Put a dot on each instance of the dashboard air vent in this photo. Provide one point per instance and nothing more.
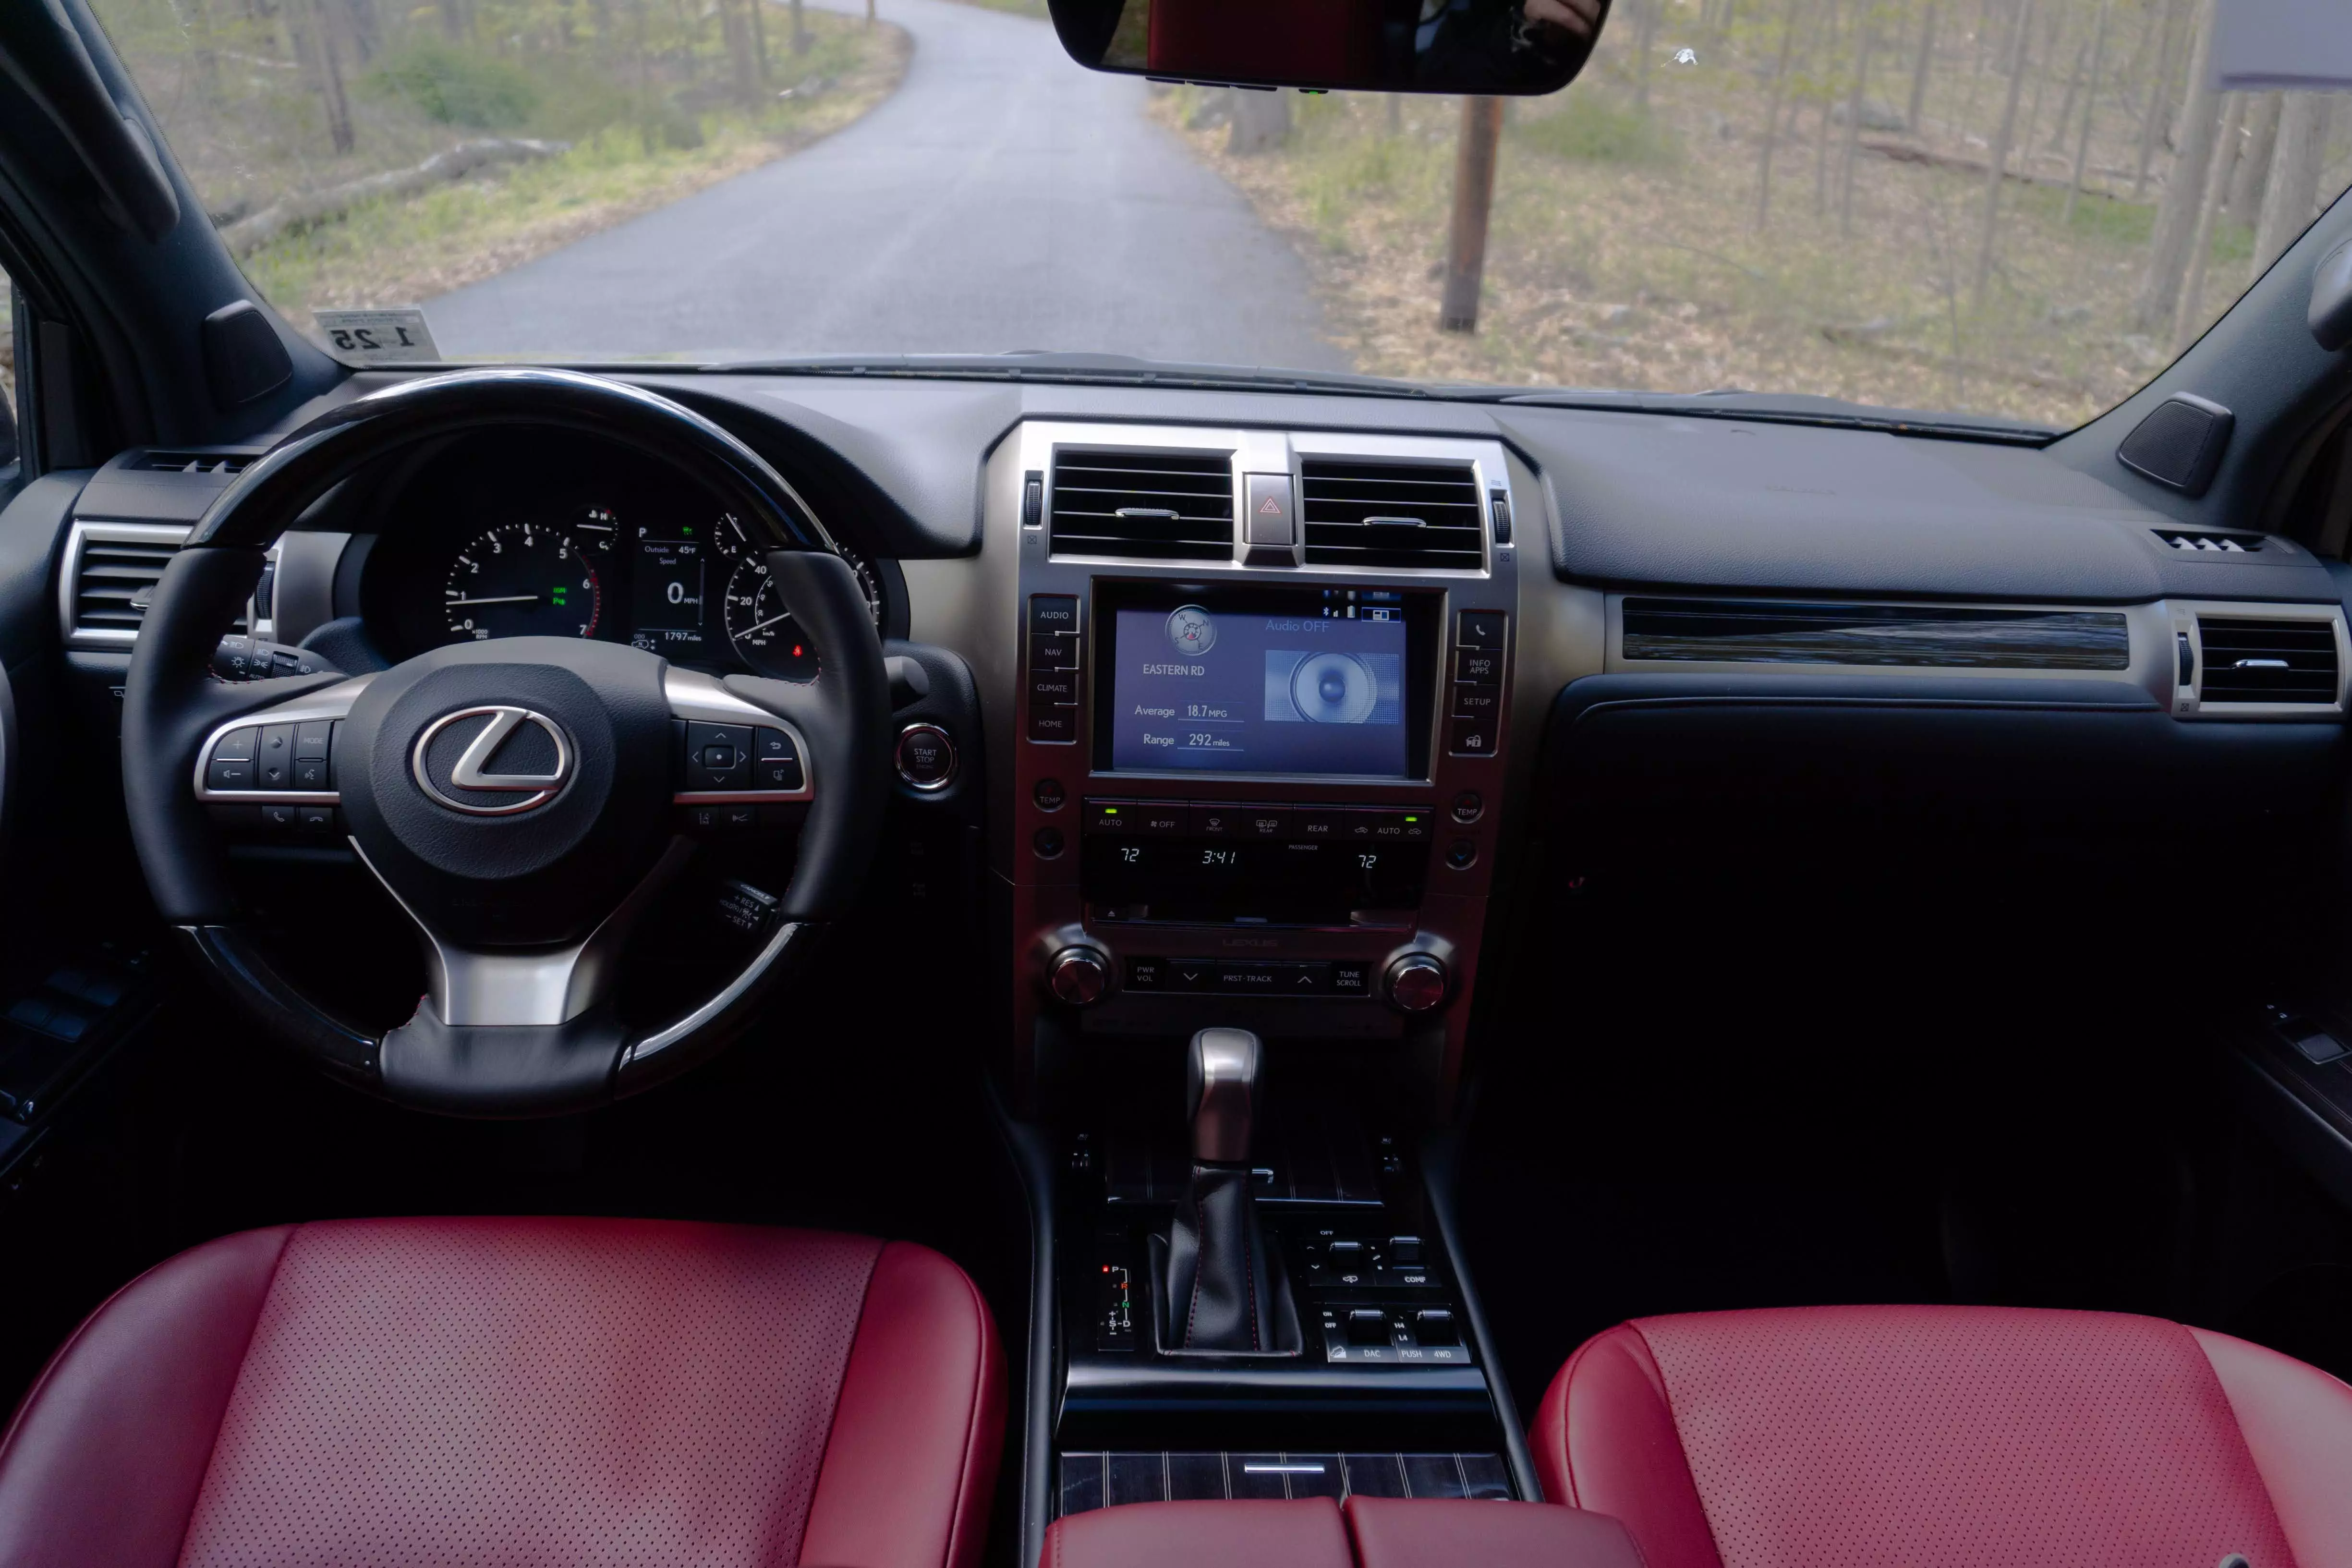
(2267, 661)
(116, 578)
(1422, 516)
(1148, 506)
(160, 461)
(2197, 541)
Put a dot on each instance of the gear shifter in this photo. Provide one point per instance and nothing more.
(1221, 1288)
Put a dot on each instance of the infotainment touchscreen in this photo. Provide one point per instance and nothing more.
(1304, 683)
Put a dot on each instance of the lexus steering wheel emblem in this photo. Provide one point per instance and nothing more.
(471, 771)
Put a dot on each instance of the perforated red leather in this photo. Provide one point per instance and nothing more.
(1840, 1438)
(439, 1392)
(1249, 1534)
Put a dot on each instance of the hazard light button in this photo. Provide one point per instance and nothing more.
(1269, 524)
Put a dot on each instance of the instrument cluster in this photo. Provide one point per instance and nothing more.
(598, 546)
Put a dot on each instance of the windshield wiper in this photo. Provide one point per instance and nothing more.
(1078, 369)
(1786, 408)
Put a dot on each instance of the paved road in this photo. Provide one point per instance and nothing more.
(1002, 198)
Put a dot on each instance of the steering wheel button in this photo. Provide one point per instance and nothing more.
(770, 744)
(313, 740)
(315, 818)
(719, 759)
(276, 815)
(277, 761)
(311, 772)
(780, 772)
(237, 746)
(228, 772)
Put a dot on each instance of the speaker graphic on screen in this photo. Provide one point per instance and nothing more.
(1332, 688)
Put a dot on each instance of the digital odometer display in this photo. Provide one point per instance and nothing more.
(1318, 692)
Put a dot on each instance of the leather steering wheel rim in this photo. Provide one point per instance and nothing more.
(554, 1064)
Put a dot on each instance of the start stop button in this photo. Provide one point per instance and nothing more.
(925, 758)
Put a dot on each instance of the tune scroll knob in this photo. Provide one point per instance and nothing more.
(1079, 975)
(1416, 983)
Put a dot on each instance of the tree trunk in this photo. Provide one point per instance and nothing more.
(2073, 90)
(2176, 215)
(1821, 130)
(1261, 121)
(1473, 200)
(2189, 314)
(1919, 71)
(1772, 115)
(735, 30)
(1998, 164)
(2292, 196)
(1863, 40)
(1647, 36)
(2090, 111)
(801, 34)
(759, 10)
(2252, 175)
(315, 45)
(2041, 83)
(2160, 100)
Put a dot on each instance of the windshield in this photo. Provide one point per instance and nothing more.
(2018, 208)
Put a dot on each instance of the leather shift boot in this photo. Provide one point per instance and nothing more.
(1219, 1287)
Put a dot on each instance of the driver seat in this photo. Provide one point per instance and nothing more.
(517, 1392)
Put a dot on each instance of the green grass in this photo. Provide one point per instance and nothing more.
(1589, 128)
(455, 87)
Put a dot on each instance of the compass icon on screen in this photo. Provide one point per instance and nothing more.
(1190, 631)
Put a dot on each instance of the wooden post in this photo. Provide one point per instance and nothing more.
(1474, 201)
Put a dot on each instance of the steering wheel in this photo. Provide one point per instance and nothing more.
(516, 797)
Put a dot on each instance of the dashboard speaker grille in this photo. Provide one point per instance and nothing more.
(116, 579)
(2267, 661)
(1148, 506)
(162, 461)
(1408, 515)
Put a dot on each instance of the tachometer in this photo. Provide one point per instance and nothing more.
(763, 630)
(522, 579)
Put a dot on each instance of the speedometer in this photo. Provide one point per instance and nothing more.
(764, 633)
(521, 579)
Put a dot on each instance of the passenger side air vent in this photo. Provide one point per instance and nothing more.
(1146, 506)
(2195, 541)
(160, 461)
(2267, 661)
(114, 580)
(1423, 516)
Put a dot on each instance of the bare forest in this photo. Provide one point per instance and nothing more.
(2019, 207)
(377, 152)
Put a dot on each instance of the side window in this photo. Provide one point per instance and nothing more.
(8, 453)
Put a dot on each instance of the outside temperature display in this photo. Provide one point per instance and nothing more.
(673, 583)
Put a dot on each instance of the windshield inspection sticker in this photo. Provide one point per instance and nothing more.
(379, 337)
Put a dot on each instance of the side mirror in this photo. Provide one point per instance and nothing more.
(1483, 47)
(2330, 317)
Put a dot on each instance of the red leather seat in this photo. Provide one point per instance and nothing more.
(1945, 1435)
(517, 1392)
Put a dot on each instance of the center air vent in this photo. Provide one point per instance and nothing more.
(1147, 506)
(1422, 516)
(2254, 660)
(160, 461)
(114, 580)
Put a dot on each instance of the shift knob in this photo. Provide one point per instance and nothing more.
(1221, 1095)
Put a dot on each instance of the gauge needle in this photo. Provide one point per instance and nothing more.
(763, 626)
(497, 599)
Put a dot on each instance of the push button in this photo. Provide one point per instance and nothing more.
(238, 746)
(1052, 614)
(315, 739)
(1054, 687)
(1108, 816)
(273, 766)
(228, 772)
(1480, 628)
(717, 756)
(1147, 974)
(1479, 667)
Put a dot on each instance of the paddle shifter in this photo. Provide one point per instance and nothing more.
(1221, 1290)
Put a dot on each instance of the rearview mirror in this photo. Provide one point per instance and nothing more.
(1483, 47)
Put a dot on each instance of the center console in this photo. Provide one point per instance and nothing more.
(1257, 742)
(1247, 694)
